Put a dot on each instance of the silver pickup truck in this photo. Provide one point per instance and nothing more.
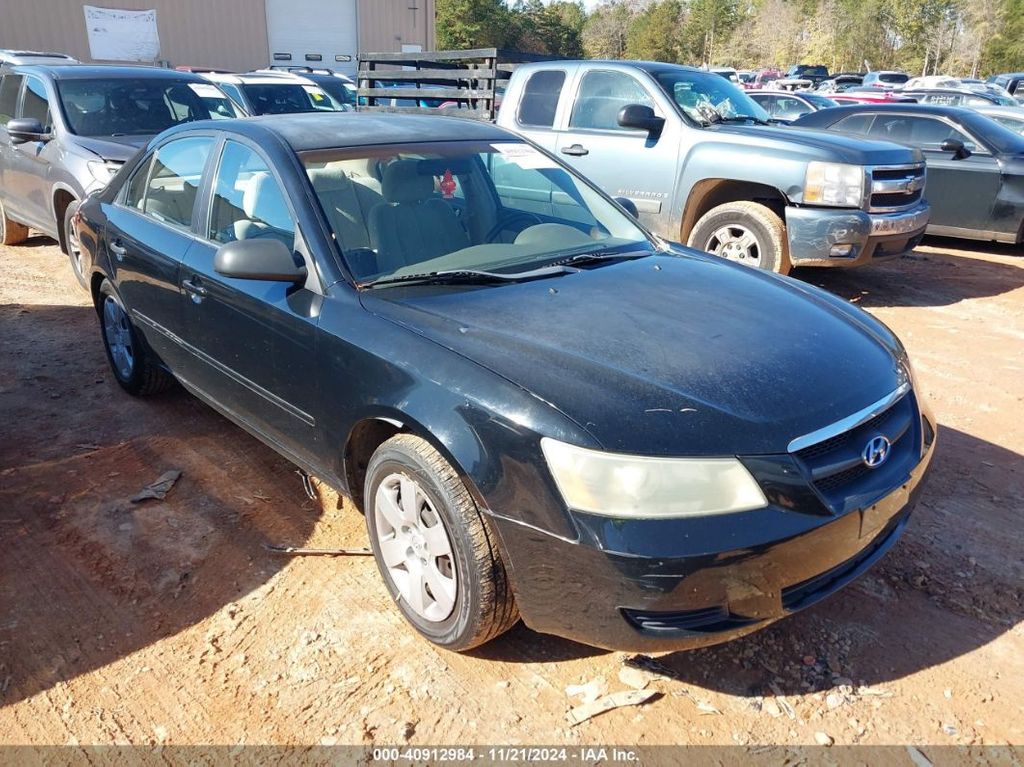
(699, 162)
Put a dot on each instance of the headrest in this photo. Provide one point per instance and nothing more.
(404, 183)
(263, 201)
(329, 180)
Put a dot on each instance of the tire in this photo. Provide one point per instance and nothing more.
(745, 232)
(133, 363)
(475, 603)
(80, 260)
(11, 232)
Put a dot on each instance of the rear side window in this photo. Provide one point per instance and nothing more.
(35, 103)
(854, 124)
(9, 86)
(540, 98)
(248, 203)
(167, 190)
(602, 95)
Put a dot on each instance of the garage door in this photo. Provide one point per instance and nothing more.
(313, 33)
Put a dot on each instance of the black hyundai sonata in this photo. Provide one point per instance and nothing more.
(542, 410)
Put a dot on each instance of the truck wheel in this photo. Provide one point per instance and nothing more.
(11, 232)
(438, 558)
(78, 257)
(135, 366)
(744, 232)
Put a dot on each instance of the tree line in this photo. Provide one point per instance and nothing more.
(957, 37)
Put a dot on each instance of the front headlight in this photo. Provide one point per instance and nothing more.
(103, 170)
(832, 183)
(639, 487)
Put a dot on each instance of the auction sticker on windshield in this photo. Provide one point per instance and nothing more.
(525, 156)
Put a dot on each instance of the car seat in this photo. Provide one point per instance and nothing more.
(413, 224)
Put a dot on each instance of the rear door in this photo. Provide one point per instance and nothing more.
(622, 161)
(149, 231)
(544, 96)
(961, 192)
(253, 342)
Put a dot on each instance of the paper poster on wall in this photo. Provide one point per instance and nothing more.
(118, 35)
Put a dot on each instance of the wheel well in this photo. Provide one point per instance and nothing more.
(712, 192)
(61, 199)
(94, 289)
(364, 440)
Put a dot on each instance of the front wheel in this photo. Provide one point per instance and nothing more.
(78, 257)
(438, 558)
(133, 363)
(745, 232)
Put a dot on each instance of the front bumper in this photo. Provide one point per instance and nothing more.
(661, 585)
(844, 237)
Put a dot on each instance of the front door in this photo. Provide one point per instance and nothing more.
(253, 342)
(148, 233)
(621, 161)
(28, 175)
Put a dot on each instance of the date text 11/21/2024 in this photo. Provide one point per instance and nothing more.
(518, 754)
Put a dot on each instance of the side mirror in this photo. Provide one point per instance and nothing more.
(266, 259)
(629, 206)
(956, 146)
(26, 129)
(641, 117)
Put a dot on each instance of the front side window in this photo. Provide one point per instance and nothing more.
(248, 202)
(540, 98)
(854, 123)
(492, 206)
(602, 95)
(35, 104)
(9, 87)
(172, 181)
(130, 106)
(789, 108)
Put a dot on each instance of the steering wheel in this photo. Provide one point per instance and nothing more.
(507, 222)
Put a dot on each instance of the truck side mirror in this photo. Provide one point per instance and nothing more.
(641, 117)
(26, 129)
(629, 206)
(956, 146)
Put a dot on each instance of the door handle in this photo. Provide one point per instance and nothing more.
(576, 150)
(197, 290)
(118, 250)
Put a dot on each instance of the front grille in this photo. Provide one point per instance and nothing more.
(700, 622)
(836, 467)
(893, 189)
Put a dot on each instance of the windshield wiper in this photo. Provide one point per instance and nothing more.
(744, 118)
(468, 277)
(594, 257)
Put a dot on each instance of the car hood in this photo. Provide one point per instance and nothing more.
(113, 148)
(666, 355)
(822, 145)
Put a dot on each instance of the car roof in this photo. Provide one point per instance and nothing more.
(105, 71)
(338, 130)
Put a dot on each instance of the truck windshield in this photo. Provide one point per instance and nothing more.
(138, 106)
(708, 98)
(504, 208)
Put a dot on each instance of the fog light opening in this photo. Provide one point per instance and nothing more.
(841, 250)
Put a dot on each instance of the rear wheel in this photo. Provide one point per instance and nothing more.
(434, 550)
(78, 257)
(745, 232)
(11, 232)
(133, 363)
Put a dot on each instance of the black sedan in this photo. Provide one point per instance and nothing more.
(975, 165)
(541, 409)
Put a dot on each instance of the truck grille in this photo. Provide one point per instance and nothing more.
(836, 467)
(897, 188)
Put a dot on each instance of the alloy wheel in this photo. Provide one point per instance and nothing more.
(118, 334)
(75, 251)
(736, 243)
(415, 547)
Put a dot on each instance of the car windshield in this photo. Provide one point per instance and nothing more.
(138, 106)
(338, 90)
(707, 98)
(289, 98)
(502, 208)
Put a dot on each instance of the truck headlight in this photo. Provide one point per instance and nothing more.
(642, 487)
(832, 183)
(103, 170)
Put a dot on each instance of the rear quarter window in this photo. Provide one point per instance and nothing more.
(854, 124)
(540, 98)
